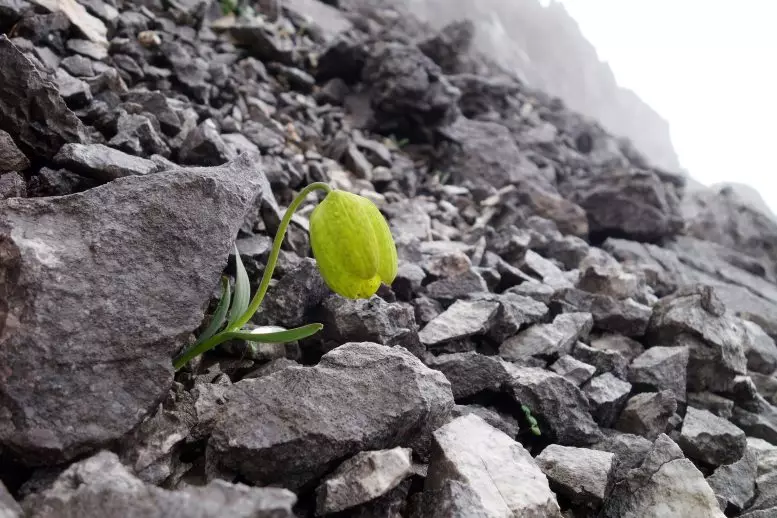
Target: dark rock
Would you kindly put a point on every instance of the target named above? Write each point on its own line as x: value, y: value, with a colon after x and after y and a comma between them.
x: 759, y: 420
x: 12, y: 186
x: 515, y: 311
x: 735, y: 483
x: 617, y: 316
x: 469, y: 451
x: 551, y: 340
x: 103, y: 380
x: 661, y: 368
x: 569, y: 217
x: 501, y: 421
x: 426, y: 310
x: 365, y: 476
x: 75, y: 92
x: 102, y: 163
x: 470, y: 373
x: 604, y: 360
x: 648, y: 414
x: 560, y: 408
x: 463, y: 319
x: 695, y: 319
x: 11, y: 158
x: 574, y: 370
x: 714, y: 403
x: 664, y: 480
x: 293, y: 299
x: 453, y: 288
x: 372, y: 320
x: 711, y: 439
x: 88, y: 48
x: 448, y: 46
x: 31, y: 108
x: 204, y: 146
x: 9, y: 508
x: 607, y: 395
x: 623, y: 345
x: 359, y: 397
x: 408, y: 281
x: 630, y: 450
x: 49, y: 182
x: 579, y: 474
x: 100, y: 486
x: 760, y: 349
x: 137, y: 135
x: 79, y: 66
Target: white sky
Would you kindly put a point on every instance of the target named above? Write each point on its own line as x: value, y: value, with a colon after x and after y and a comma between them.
x: 709, y: 67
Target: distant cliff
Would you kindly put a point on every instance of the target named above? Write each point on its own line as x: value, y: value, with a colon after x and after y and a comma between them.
x: 545, y: 48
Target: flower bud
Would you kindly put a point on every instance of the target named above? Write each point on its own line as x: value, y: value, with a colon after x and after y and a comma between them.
x: 352, y: 244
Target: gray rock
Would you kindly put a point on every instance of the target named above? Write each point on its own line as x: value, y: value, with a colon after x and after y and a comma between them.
x: 560, y: 408
x: 665, y: 484
x: 12, y: 185
x: 100, y: 486
x: 453, y: 288
x: 9, y: 508
x: 204, y: 146
x: 714, y: 403
x: 292, y: 300
x: 101, y: 162
x: 463, y: 319
x: 760, y: 420
x: 426, y: 310
x: 501, y: 421
x: 603, y: 360
x: 711, y: 439
x: 695, y: 318
x: 630, y: 450
x: 574, y: 370
x: 766, y: 385
x: 548, y: 340
x: 11, y: 157
x: 760, y: 349
x: 766, y: 492
x: 624, y: 345
x: 766, y: 454
x: 661, y: 368
x: 408, y: 281
x: 648, y: 414
x: 486, y: 155
x: 515, y: 311
x: 735, y: 483
x: 607, y: 395
x: 550, y: 274
x: 365, y: 476
x: 625, y: 317
x: 360, y: 396
x: 75, y: 92
x: 79, y: 66
x: 497, y: 472
x: 470, y: 373
x: 370, y: 320
x: 31, y: 108
x: 579, y: 474
x: 124, y: 241
x: 137, y: 135
x: 762, y: 513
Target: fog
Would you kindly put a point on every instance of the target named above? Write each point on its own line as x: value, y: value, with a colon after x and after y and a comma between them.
x: 708, y: 67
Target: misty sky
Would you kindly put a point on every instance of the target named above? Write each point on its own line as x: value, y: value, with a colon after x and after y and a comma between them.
x: 709, y: 67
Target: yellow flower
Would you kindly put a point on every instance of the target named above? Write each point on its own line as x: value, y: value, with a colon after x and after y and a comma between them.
x: 352, y: 244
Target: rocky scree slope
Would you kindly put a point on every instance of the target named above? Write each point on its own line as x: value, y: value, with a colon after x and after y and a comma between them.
x: 547, y: 272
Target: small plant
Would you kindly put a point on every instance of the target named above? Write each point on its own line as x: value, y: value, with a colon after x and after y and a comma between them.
x: 352, y: 245
x: 533, y: 425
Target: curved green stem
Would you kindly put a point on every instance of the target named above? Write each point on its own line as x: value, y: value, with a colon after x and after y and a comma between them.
x: 225, y: 335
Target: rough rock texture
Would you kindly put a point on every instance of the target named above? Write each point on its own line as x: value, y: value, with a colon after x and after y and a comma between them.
x: 360, y: 396
x: 71, y: 387
x: 580, y: 474
x: 101, y: 162
x: 736, y: 482
x: 648, y: 414
x: 101, y: 486
x: 497, y: 473
x: 711, y: 439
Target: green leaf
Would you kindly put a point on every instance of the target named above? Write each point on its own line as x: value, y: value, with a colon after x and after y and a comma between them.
x: 277, y: 337
x: 242, y: 295
x: 219, y: 315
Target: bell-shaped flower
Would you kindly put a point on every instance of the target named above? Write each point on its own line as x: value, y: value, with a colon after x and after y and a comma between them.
x: 352, y: 244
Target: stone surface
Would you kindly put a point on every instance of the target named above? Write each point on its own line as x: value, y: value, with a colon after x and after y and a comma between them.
x: 665, y: 484
x: 100, y: 486
x: 625, y: 317
x: 579, y: 474
x: 101, y: 162
x: 100, y: 256
x: 31, y: 108
x: 360, y: 396
x: 470, y: 373
x: 9, y: 508
x: 648, y: 414
x: 11, y: 157
x: 661, y: 368
x: 497, y: 473
x: 607, y: 395
x: 560, y: 408
x: 549, y: 340
x: 711, y: 439
x: 736, y: 482
x: 364, y: 477
x: 630, y: 450
x: 760, y: 349
x: 463, y: 319
x: 574, y: 370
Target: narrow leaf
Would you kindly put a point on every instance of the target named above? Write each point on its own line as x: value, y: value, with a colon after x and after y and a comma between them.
x: 277, y: 337
x: 220, y: 315
x: 242, y: 296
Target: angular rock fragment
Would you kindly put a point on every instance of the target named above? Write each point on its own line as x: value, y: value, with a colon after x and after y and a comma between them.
x: 711, y: 439
x: 100, y: 486
x: 137, y: 135
x: 559, y: 406
x: 607, y: 395
x: 759, y: 420
x: 470, y: 373
x: 603, y: 360
x: 551, y: 340
x: 499, y: 420
x: 365, y: 476
x: 204, y: 146
x: 574, y: 370
x: 625, y: 317
x: 101, y: 162
x: 452, y: 288
x: 360, y: 396
x: 31, y: 108
x: 463, y: 319
x: 12, y: 185
x: 760, y: 349
x: 624, y: 345
x: 630, y: 450
x: 11, y: 157
x: 498, y: 474
x: 515, y: 311
x: 580, y: 474
x: 665, y: 483
x: 9, y: 508
x: 735, y: 483
x: 109, y: 255
x: 661, y: 368
x: 648, y: 414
